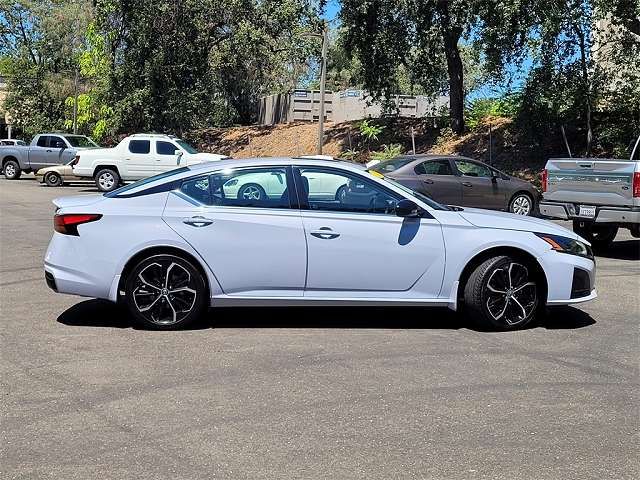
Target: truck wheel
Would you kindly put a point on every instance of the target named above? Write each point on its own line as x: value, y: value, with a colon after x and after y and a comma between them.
x: 107, y: 180
x: 600, y: 236
x: 52, y: 179
x: 12, y: 170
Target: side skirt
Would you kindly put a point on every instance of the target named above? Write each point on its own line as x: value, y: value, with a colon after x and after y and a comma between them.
x: 245, y: 301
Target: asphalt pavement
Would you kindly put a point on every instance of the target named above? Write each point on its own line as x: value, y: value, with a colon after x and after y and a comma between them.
x: 335, y: 393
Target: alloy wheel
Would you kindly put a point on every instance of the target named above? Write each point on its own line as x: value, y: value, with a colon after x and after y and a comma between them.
x: 106, y: 180
x: 10, y: 170
x: 164, y: 292
x: 521, y: 205
x: 251, y: 192
x: 511, y: 296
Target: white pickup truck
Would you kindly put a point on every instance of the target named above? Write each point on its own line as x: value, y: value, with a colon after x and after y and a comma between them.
x: 135, y: 157
x: 598, y: 195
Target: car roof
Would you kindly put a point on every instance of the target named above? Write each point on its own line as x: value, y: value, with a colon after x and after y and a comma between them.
x: 266, y: 161
x: 431, y: 156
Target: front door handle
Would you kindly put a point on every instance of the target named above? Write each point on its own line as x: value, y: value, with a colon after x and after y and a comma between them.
x: 428, y: 181
x: 325, y: 233
x: 467, y: 184
x: 197, y: 221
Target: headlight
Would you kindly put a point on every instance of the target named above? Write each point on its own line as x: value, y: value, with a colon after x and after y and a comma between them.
x: 567, y: 245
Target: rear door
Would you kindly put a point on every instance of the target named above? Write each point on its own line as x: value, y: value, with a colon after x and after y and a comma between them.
x: 38, y: 154
x: 480, y: 188
x: 140, y: 162
x: 438, y: 181
x: 255, y: 246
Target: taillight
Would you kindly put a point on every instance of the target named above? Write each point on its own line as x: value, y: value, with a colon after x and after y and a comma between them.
x: 545, y: 176
x: 67, y: 224
x: 636, y: 185
x: 75, y: 161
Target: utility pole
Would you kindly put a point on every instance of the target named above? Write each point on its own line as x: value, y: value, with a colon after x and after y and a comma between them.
x: 75, y: 102
x: 323, y: 80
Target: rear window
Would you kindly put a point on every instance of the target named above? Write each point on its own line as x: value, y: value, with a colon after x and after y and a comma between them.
x: 140, y: 146
x: 122, y: 191
x: 391, y: 165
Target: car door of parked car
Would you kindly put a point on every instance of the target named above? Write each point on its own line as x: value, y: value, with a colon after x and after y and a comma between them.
x: 479, y: 187
x: 437, y: 180
x: 140, y: 162
x: 254, y: 246
x: 165, y: 156
x: 357, y: 246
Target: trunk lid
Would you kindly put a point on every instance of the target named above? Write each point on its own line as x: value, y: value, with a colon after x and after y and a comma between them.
x: 601, y: 181
x: 77, y: 200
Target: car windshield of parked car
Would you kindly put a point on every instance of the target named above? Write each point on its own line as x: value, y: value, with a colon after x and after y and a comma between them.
x: 420, y: 196
x: 81, y: 142
x: 188, y: 148
x: 391, y: 165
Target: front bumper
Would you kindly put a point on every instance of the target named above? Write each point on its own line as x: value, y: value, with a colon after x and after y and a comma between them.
x: 604, y: 214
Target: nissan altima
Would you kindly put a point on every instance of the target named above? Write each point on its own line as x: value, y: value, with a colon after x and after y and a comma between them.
x: 170, y: 246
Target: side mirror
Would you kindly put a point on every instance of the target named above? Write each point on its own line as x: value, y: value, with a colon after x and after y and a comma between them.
x: 408, y: 209
x: 178, y: 154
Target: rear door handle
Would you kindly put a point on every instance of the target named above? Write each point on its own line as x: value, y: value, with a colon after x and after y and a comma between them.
x: 197, y: 221
x: 325, y: 233
x: 428, y: 181
x: 467, y: 184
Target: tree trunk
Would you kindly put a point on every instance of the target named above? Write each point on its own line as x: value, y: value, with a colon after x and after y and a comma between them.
x: 450, y: 35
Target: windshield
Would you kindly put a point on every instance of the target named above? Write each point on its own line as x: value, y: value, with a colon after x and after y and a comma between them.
x: 391, y: 165
x: 145, y: 181
x: 81, y: 142
x: 188, y: 148
x: 420, y: 196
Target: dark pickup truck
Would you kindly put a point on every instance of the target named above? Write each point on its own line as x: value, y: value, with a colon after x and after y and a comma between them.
x: 45, y: 150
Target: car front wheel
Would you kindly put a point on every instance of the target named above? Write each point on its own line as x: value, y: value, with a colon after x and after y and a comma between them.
x: 502, y: 293
x: 521, y: 204
x: 52, y: 179
x: 12, y: 170
x: 165, y: 292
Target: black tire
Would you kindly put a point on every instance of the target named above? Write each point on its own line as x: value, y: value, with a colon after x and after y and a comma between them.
x: 53, y: 179
x: 107, y: 180
x: 493, y: 302
x: 522, y: 204
x: 165, y: 292
x: 600, y: 236
x: 12, y: 170
x: 251, y: 191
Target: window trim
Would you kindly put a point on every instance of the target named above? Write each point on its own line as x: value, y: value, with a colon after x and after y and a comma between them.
x: 453, y: 168
x: 175, y: 147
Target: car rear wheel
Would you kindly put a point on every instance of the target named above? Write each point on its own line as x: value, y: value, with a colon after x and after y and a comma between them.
x: 502, y: 293
x: 107, y: 180
x: 521, y: 204
x: 600, y: 236
x: 53, y: 179
x: 165, y: 292
x: 12, y: 170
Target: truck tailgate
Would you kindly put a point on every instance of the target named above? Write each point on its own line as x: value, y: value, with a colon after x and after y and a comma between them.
x: 602, y: 182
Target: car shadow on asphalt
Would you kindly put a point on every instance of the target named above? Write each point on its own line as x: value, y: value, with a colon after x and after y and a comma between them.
x: 101, y: 313
x: 624, y: 250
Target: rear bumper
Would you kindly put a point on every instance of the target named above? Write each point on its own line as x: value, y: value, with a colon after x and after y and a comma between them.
x: 604, y: 214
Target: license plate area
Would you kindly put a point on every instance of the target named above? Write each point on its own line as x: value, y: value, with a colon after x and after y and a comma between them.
x: 587, y: 211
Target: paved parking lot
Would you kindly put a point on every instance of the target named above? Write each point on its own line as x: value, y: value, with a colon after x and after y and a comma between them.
x: 307, y: 392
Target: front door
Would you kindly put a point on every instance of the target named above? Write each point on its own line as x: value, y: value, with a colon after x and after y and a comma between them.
x: 254, y: 244
x: 165, y: 156
x: 479, y: 187
x: 358, y: 247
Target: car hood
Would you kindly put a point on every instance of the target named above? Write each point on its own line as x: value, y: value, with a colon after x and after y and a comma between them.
x: 201, y: 157
x: 510, y: 221
x: 77, y: 200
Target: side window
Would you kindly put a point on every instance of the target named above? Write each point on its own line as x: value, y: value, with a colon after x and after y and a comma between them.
x: 473, y: 169
x: 56, y: 142
x: 140, y: 146
x: 254, y: 187
x: 43, y: 141
x: 329, y: 190
x: 434, y: 167
x: 166, y: 148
